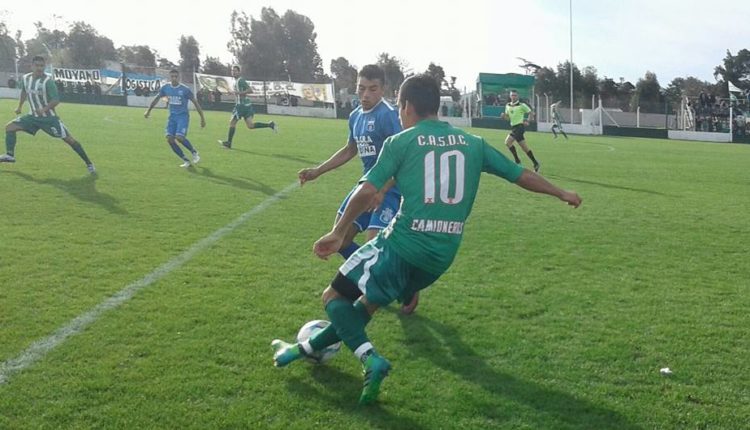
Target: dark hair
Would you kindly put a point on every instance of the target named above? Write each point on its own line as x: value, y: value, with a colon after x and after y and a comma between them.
x: 38, y: 58
x: 513, y: 91
x: 372, y: 72
x: 236, y: 67
x: 174, y: 71
x: 421, y: 91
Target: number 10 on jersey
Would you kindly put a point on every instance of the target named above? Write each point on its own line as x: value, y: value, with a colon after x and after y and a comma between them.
x: 445, y: 180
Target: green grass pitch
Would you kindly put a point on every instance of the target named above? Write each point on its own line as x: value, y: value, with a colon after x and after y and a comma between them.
x: 550, y: 318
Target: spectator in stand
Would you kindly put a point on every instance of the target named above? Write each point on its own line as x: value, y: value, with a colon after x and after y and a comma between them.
x: 97, y: 90
x: 88, y: 88
x: 217, y: 95
x: 79, y: 88
x: 146, y: 91
x: 747, y: 95
x: 60, y: 86
x: 703, y: 101
x: 711, y: 101
x: 12, y: 82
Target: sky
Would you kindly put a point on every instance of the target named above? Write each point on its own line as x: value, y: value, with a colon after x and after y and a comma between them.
x: 624, y: 38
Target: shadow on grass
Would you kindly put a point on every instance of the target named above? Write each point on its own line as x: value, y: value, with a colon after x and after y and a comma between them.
x: 611, y: 186
x: 242, y: 183
x: 279, y: 156
x: 555, y: 409
x: 341, y: 391
x: 83, y: 188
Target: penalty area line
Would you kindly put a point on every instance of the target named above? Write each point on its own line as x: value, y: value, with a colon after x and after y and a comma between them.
x: 40, y: 348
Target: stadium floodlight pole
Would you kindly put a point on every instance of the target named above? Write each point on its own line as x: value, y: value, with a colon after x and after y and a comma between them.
x: 571, y: 61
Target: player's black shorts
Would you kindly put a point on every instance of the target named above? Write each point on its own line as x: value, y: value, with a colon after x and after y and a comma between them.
x: 517, y: 132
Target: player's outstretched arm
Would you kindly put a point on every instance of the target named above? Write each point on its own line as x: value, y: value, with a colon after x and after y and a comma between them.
x: 358, y: 203
x: 339, y: 158
x: 199, y: 109
x: 537, y: 183
x: 153, y: 103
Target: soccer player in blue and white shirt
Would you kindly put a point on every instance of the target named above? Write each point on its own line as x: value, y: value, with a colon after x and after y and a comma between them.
x: 369, y: 125
x: 178, y: 95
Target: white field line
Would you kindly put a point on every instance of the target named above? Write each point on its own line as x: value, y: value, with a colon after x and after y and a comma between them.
x: 37, y: 350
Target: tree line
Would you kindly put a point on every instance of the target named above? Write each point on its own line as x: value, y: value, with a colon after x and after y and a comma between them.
x: 647, y: 93
x: 284, y: 47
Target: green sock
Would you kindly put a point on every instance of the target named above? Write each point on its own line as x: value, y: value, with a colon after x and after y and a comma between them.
x: 328, y: 336
x: 261, y: 125
x: 81, y: 153
x: 10, y: 142
x: 349, y: 322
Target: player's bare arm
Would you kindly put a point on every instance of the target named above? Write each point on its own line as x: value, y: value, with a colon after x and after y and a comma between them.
x: 339, y: 158
x: 199, y: 109
x: 48, y: 107
x: 358, y: 203
x: 377, y: 199
x: 153, y: 103
x: 537, y: 183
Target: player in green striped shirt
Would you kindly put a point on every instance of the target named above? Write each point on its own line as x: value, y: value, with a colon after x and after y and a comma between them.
x: 516, y: 112
x: 243, y: 109
x: 557, y: 119
x: 39, y: 89
x: 437, y: 168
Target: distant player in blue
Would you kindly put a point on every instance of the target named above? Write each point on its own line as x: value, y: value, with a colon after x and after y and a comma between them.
x: 178, y: 95
x: 373, y: 121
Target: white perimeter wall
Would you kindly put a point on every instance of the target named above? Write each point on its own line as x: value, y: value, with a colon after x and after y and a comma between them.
x: 546, y: 127
x: 456, y: 121
x: 700, y: 136
x: 9, y: 93
x: 315, y: 112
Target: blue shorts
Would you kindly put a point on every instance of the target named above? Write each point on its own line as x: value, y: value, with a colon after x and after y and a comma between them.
x: 380, y: 218
x: 177, y: 125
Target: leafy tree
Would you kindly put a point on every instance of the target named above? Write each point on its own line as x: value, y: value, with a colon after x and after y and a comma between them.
x: 139, y: 55
x: 344, y: 74
x: 735, y: 69
x: 275, y: 47
x: 189, y: 57
x: 257, y: 45
x: 50, y: 44
x: 394, y: 72
x: 446, y: 88
x: 647, y: 94
x: 547, y: 82
x: 436, y: 72
x: 685, y: 87
x: 589, y: 84
x: 214, y: 66
x: 607, y: 89
x: 87, y: 48
x: 164, y: 63
x: 7, y: 49
x: 300, y: 48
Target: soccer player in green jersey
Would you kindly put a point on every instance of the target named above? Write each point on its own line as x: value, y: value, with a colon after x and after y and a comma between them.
x: 40, y: 90
x: 243, y: 109
x: 437, y: 168
x: 557, y: 120
x: 516, y: 112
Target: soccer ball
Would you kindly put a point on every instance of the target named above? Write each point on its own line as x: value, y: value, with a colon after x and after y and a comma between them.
x: 309, y: 329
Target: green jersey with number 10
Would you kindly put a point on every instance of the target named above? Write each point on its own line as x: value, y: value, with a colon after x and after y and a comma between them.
x: 437, y: 168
